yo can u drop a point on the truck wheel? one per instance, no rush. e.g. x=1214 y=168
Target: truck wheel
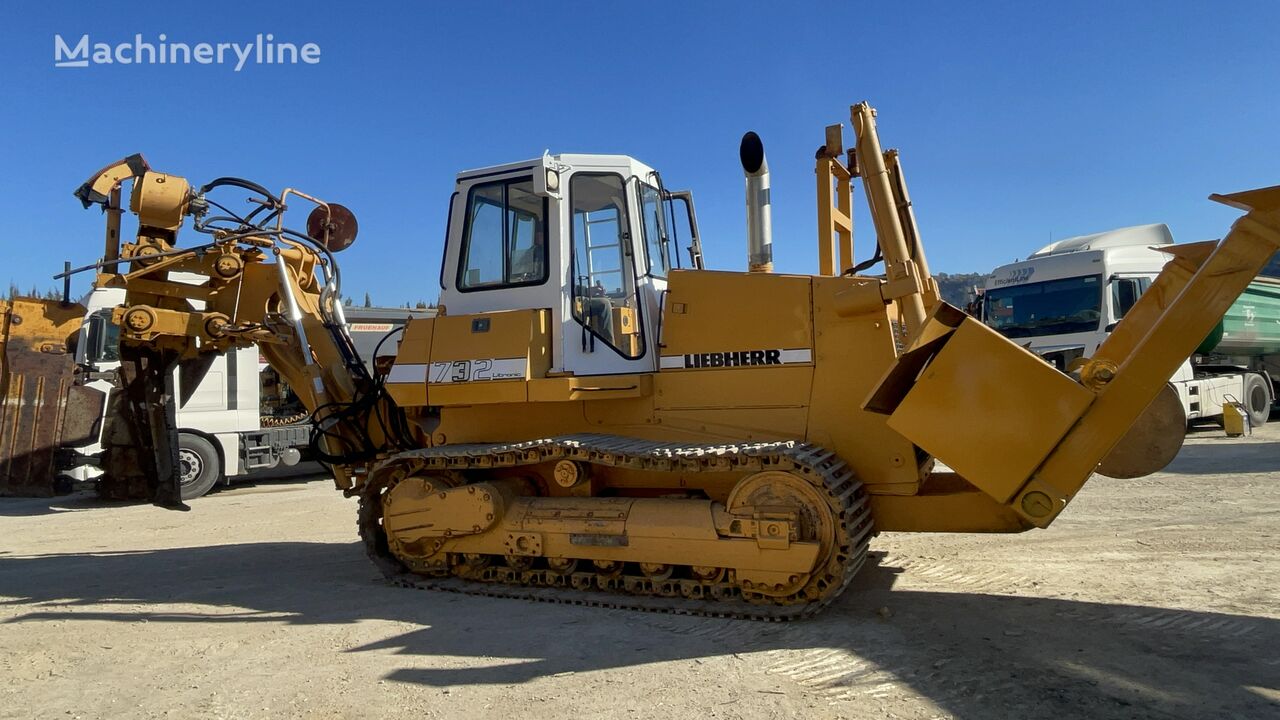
x=198 y=465
x=1257 y=399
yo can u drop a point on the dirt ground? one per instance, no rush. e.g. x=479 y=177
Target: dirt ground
x=1151 y=598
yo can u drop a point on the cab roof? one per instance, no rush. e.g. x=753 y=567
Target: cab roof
x=623 y=163
x=1140 y=235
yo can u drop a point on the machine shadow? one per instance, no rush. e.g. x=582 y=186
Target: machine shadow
x=1209 y=459
x=274 y=480
x=973 y=655
x=75 y=501
x=83 y=497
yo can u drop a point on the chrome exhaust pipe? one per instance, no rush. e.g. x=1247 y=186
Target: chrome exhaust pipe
x=759 y=217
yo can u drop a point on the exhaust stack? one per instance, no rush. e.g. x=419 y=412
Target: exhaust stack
x=759 y=216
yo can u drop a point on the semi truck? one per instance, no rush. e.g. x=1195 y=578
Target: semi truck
x=1064 y=299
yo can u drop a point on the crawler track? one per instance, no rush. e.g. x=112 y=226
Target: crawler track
x=630 y=590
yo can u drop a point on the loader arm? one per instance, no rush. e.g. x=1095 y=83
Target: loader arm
x=254 y=282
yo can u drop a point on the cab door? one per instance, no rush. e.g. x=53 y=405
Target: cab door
x=605 y=316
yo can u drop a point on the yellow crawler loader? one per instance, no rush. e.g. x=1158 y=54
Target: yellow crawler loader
x=596 y=418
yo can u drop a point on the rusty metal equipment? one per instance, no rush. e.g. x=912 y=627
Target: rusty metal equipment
x=42 y=410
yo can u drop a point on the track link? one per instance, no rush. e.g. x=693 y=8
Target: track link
x=821 y=467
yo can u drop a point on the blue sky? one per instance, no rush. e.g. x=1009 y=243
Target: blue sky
x=1018 y=122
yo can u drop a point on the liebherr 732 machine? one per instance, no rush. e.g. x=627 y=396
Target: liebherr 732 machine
x=596 y=418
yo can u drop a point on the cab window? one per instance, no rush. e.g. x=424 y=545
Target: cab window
x=604 y=273
x=103 y=339
x=504 y=238
x=656 y=244
x=1125 y=293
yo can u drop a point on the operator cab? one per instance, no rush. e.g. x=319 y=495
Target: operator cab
x=591 y=238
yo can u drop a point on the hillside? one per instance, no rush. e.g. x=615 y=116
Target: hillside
x=957 y=288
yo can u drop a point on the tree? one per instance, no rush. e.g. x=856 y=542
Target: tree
x=346 y=302
x=368 y=301
x=421 y=305
x=50 y=294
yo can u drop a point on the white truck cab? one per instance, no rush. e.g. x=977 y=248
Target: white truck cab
x=1064 y=298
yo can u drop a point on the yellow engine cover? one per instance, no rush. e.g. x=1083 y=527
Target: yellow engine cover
x=471 y=359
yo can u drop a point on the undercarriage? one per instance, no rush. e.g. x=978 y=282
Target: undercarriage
x=786 y=540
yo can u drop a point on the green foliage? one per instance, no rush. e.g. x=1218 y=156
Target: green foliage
x=34 y=292
x=957 y=288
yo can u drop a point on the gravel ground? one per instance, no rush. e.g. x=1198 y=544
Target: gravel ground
x=1150 y=598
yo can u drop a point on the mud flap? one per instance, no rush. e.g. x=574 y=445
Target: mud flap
x=140 y=440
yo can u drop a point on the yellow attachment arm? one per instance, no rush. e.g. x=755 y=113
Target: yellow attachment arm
x=252 y=285
x=907 y=281
x=1042 y=433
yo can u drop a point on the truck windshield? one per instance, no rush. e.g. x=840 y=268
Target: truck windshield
x=1053 y=307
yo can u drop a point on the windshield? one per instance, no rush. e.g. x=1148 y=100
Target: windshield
x=503 y=242
x=1052 y=307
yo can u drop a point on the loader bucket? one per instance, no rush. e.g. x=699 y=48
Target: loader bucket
x=987 y=407
x=42 y=411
